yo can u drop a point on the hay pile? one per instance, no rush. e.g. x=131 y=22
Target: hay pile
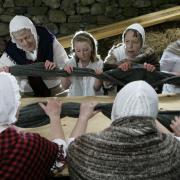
x=159 y=40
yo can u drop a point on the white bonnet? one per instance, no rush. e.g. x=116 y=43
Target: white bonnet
x=137 y=27
x=9 y=98
x=21 y=22
x=137 y=98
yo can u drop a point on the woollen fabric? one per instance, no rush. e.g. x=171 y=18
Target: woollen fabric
x=137 y=98
x=130 y=149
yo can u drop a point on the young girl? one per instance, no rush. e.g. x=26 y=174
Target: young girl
x=133 y=50
x=84 y=55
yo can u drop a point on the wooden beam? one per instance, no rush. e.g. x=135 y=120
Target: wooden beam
x=147 y=20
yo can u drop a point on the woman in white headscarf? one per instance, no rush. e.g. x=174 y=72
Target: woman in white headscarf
x=131 y=148
x=31 y=44
x=27 y=155
x=133 y=50
x=170 y=62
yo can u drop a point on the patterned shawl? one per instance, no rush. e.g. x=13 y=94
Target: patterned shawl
x=131 y=148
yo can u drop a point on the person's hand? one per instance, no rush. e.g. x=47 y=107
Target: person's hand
x=175 y=125
x=87 y=110
x=52 y=108
x=68 y=69
x=4 y=69
x=125 y=66
x=98 y=71
x=149 y=67
x=49 y=65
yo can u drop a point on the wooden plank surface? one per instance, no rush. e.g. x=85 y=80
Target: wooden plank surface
x=98 y=122
x=68 y=122
x=147 y=20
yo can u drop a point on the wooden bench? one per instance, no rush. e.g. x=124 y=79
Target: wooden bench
x=170 y=14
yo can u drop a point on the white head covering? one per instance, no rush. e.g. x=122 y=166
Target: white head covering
x=9 y=98
x=21 y=22
x=137 y=27
x=137 y=98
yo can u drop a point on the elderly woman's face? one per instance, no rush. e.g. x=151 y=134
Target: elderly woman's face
x=133 y=44
x=25 y=39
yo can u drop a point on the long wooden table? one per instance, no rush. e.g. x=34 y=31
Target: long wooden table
x=99 y=121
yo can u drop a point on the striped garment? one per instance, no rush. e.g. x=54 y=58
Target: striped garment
x=130 y=149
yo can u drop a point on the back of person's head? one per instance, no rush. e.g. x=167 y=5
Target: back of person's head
x=137 y=98
x=18 y=23
x=138 y=31
x=84 y=36
x=9 y=98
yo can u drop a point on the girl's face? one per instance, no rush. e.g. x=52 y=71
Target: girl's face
x=83 y=50
x=25 y=39
x=133 y=44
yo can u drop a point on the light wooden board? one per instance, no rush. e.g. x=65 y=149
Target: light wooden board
x=147 y=20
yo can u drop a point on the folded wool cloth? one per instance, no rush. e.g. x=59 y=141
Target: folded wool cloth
x=116 y=76
x=32 y=115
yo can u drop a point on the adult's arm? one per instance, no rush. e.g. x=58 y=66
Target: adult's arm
x=53 y=110
x=86 y=112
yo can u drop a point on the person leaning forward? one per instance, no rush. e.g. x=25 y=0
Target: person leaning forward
x=31 y=44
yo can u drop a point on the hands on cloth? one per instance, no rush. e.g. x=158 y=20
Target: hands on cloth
x=49 y=65
x=5 y=69
x=86 y=112
x=53 y=110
